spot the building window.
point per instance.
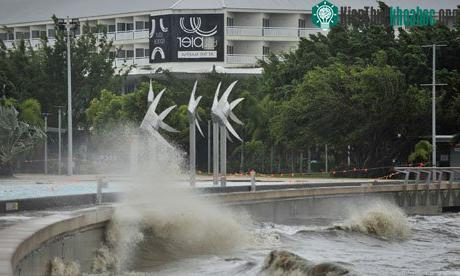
(230, 22)
(51, 33)
(147, 24)
(139, 52)
(35, 34)
(129, 26)
(111, 28)
(22, 35)
(230, 49)
(121, 54)
(146, 52)
(265, 50)
(77, 31)
(10, 36)
(121, 27)
(3, 36)
(129, 53)
(266, 22)
(102, 28)
(302, 23)
(42, 33)
(140, 25)
(111, 54)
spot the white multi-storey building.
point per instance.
(251, 28)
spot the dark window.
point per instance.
(266, 22)
(129, 53)
(146, 52)
(121, 54)
(121, 27)
(229, 50)
(22, 35)
(129, 26)
(111, 54)
(140, 25)
(51, 33)
(147, 25)
(42, 33)
(76, 31)
(266, 50)
(3, 36)
(139, 52)
(36, 34)
(111, 28)
(302, 23)
(10, 36)
(102, 28)
(230, 21)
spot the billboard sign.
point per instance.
(186, 37)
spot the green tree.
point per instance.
(16, 137)
(422, 152)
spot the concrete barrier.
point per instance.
(27, 248)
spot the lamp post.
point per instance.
(69, 25)
(433, 85)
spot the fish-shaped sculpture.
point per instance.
(192, 109)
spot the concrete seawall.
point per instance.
(27, 248)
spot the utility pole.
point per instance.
(59, 140)
(326, 163)
(433, 85)
(209, 146)
(46, 143)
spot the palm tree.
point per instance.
(16, 137)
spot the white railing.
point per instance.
(8, 43)
(51, 41)
(272, 31)
(127, 35)
(243, 59)
(244, 31)
(141, 61)
(34, 42)
(277, 31)
(139, 34)
(110, 36)
(306, 32)
(124, 62)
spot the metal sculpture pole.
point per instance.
(193, 116)
(215, 139)
(221, 111)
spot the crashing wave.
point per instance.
(382, 219)
(285, 263)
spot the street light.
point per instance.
(69, 25)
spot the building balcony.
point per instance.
(272, 31)
(8, 43)
(244, 31)
(126, 35)
(34, 42)
(141, 61)
(243, 59)
(141, 34)
(119, 62)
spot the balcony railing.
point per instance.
(140, 34)
(124, 62)
(272, 31)
(244, 31)
(141, 61)
(243, 59)
(8, 43)
(126, 35)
